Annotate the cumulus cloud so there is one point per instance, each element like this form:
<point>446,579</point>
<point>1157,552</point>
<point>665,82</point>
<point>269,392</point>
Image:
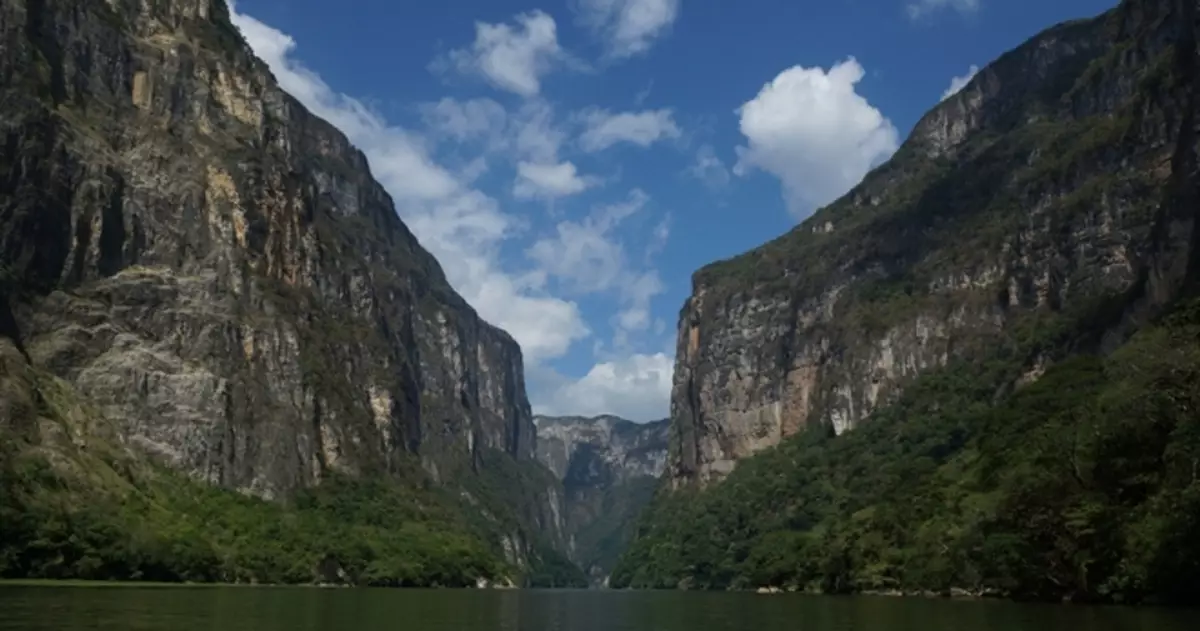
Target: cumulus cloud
<point>467,229</point>
<point>535,135</point>
<point>528,136</point>
<point>629,26</point>
<point>635,314</point>
<point>637,387</point>
<point>465,121</point>
<point>921,8</point>
<point>604,129</point>
<point>583,255</point>
<point>512,58</point>
<point>813,131</point>
<point>462,227</point>
<point>549,181</point>
<point>958,83</point>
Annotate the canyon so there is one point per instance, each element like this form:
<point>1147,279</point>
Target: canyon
<point>609,468</point>
<point>193,260</point>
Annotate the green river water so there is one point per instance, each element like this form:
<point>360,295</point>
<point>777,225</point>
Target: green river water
<point>64,608</point>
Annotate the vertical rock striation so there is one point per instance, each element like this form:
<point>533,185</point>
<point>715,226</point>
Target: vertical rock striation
<point>609,468</point>
<point>1060,180</point>
<point>215,268</point>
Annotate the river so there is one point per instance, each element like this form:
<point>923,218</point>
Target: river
<point>70,608</point>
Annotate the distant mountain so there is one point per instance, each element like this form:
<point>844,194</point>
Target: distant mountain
<point>609,468</point>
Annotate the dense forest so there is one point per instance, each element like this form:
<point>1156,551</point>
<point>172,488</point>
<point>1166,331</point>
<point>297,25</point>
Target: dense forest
<point>156,525</point>
<point>1081,484</point>
<point>159,526</point>
<point>76,504</point>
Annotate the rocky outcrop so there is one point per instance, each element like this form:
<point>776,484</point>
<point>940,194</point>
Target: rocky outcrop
<point>1060,181</point>
<point>601,449</point>
<point>609,468</point>
<point>215,269</point>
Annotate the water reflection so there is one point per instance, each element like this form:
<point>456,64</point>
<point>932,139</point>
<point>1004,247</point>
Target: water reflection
<point>301,609</point>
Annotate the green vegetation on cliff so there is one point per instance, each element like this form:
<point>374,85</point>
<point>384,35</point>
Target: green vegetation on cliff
<point>165,528</point>
<point>74,505</point>
<point>608,468</point>
<point>601,540</point>
<point>155,525</point>
<point>1002,317</point>
<point>1082,484</point>
<point>256,318</point>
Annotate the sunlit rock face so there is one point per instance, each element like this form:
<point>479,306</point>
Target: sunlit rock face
<point>216,268</point>
<point>1055,179</point>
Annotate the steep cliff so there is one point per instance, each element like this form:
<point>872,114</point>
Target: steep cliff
<point>214,269</point>
<point>976,372</point>
<point>609,468</point>
<point>1047,186</point>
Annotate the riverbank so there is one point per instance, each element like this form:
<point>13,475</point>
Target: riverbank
<point>119,583</point>
<point>49,582</point>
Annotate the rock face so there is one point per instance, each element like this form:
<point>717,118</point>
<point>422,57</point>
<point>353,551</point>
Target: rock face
<point>609,468</point>
<point>214,267</point>
<point>1061,178</point>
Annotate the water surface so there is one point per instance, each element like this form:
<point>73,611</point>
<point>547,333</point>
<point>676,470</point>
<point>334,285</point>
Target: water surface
<point>42,608</point>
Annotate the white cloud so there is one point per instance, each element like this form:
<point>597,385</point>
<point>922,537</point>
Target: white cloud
<point>629,26</point>
<point>958,83</point>
<point>528,133</point>
<point>528,137</point>
<point>661,233</point>
<point>535,137</point>
<point>636,295</point>
<point>922,8</point>
<point>637,387</point>
<point>812,130</point>
<point>605,129</point>
<point>465,121</point>
<point>709,168</point>
<point>549,181</point>
<point>466,230</point>
<point>462,227</point>
<point>582,255</point>
<point>584,258</point>
<point>511,58</point>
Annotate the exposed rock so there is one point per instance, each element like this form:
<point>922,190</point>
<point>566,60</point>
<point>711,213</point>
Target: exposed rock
<point>601,449</point>
<point>215,268</point>
<point>1059,178</point>
<point>609,468</point>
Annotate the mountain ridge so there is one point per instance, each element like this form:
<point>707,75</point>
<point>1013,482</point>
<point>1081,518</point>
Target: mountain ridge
<point>193,259</point>
<point>974,372</point>
<point>929,254</point>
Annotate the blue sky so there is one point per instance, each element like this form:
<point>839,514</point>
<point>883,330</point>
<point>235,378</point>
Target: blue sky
<point>572,162</point>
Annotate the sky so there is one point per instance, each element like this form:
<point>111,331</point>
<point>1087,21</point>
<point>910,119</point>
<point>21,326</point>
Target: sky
<point>571,163</point>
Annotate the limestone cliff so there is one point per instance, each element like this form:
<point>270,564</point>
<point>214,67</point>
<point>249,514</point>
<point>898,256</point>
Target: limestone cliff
<point>1060,180</point>
<point>609,468</point>
<point>214,268</point>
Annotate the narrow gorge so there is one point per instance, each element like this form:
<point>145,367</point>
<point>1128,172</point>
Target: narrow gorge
<point>224,356</point>
<point>609,468</point>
